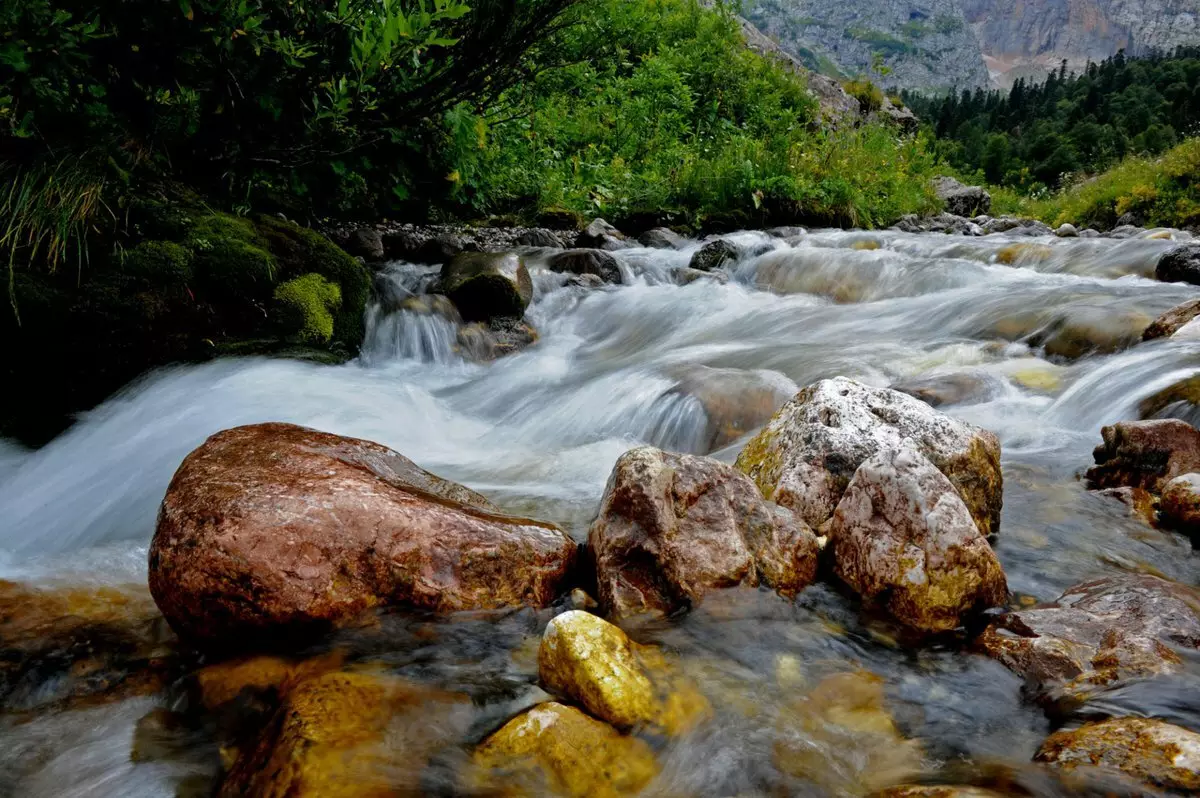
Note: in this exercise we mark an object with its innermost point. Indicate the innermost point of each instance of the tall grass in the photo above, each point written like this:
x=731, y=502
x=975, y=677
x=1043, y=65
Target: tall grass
x=47, y=212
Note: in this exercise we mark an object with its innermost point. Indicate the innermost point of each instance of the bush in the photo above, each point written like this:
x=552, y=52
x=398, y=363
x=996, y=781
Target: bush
x=869, y=96
x=160, y=263
x=305, y=308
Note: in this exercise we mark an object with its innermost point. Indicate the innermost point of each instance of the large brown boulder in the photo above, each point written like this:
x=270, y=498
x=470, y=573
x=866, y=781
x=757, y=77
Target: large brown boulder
x=1096, y=634
x=278, y=529
x=1151, y=751
x=1145, y=454
x=487, y=285
x=672, y=527
x=1172, y=321
x=902, y=535
x=807, y=454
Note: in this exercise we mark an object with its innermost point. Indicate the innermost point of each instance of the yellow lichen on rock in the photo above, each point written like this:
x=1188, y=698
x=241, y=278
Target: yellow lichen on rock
x=842, y=738
x=1151, y=751
x=556, y=749
x=334, y=737
x=594, y=663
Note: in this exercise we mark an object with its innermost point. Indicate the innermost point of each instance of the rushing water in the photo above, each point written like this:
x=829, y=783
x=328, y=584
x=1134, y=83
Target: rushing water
x=539, y=431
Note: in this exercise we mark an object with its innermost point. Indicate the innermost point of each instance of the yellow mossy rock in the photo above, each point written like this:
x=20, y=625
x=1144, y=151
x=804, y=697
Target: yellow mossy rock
x=1034, y=374
x=866, y=244
x=556, y=749
x=1015, y=254
x=344, y=734
x=594, y=663
x=842, y=738
x=223, y=682
x=1151, y=751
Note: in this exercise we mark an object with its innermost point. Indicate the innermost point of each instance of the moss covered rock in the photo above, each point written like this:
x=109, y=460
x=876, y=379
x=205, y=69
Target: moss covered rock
x=487, y=285
x=231, y=258
x=305, y=307
x=557, y=750
x=159, y=263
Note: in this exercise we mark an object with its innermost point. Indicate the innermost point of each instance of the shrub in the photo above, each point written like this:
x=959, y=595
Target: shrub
x=869, y=96
x=305, y=306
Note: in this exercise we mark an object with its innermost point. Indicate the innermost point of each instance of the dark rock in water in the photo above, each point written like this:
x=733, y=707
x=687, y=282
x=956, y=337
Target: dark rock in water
x=274, y=530
x=714, y=255
x=366, y=243
x=487, y=285
x=498, y=338
x=902, y=536
x=1096, y=634
x=909, y=223
x=688, y=275
x=787, y=232
x=402, y=245
x=662, y=238
x=962, y=200
x=951, y=389
x=1180, y=265
x=1145, y=454
x=1170, y=322
x=1159, y=754
x=1181, y=401
x=587, y=261
x=808, y=453
x=1131, y=219
x=540, y=238
x=442, y=249
x=672, y=527
x=601, y=235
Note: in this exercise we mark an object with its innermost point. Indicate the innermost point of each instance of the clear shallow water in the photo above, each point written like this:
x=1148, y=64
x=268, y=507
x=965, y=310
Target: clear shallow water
x=539, y=431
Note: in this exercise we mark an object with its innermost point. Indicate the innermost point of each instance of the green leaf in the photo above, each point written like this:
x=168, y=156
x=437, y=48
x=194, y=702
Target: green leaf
x=186, y=7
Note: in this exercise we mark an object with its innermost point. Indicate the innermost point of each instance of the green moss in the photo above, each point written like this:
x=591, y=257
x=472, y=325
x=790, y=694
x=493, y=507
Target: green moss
x=160, y=263
x=305, y=307
x=231, y=258
x=301, y=251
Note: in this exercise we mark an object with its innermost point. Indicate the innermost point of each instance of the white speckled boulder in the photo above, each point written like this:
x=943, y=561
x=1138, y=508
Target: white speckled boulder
x=807, y=454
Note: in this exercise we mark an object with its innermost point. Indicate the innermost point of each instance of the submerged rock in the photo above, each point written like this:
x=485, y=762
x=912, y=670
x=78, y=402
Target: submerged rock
x=587, y=261
x=962, y=200
x=842, y=737
x=807, y=454
x=557, y=750
x=735, y=401
x=1180, y=503
x=347, y=734
x=1180, y=265
x=902, y=535
x=1145, y=454
x=672, y=527
x=498, y=338
x=487, y=285
x=714, y=255
x=275, y=529
x=1096, y=634
x=1087, y=331
x=1180, y=401
x=1172, y=321
x=1157, y=753
x=960, y=388
x=595, y=664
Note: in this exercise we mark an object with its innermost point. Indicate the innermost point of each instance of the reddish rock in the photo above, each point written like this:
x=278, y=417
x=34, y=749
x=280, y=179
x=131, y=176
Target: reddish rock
x=673, y=527
x=902, y=535
x=1170, y=322
x=1151, y=751
x=278, y=529
x=1098, y=633
x=1145, y=454
x=1180, y=503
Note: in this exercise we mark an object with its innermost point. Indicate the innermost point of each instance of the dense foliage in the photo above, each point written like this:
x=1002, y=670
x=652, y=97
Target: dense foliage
x=663, y=112
x=1037, y=135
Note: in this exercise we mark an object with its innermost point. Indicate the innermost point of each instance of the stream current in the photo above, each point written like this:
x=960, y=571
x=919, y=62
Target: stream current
x=1005, y=322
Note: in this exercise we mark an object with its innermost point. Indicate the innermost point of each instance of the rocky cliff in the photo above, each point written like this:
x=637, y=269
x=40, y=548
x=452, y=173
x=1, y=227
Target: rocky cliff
x=956, y=44
x=922, y=43
x=1025, y=38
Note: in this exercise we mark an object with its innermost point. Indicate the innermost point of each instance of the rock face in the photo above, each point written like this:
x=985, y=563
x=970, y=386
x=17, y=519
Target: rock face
x=902, y=535
x=1172, y=321
x=1180, y=265
x=1180, y=503
x=555, y=749
x=487, y=285
x=1097, y=633
x=275, y=529
x=1154, y=752
x=593, y=663
x=672, y=527
x=587, y=261
x=807, y=454
x=1145, y=454
x=336, y=736
x=962, y=200
x=926, y=45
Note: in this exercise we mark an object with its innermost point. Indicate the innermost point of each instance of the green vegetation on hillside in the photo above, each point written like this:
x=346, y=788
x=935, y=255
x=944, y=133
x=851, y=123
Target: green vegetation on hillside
x=1040, y=136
